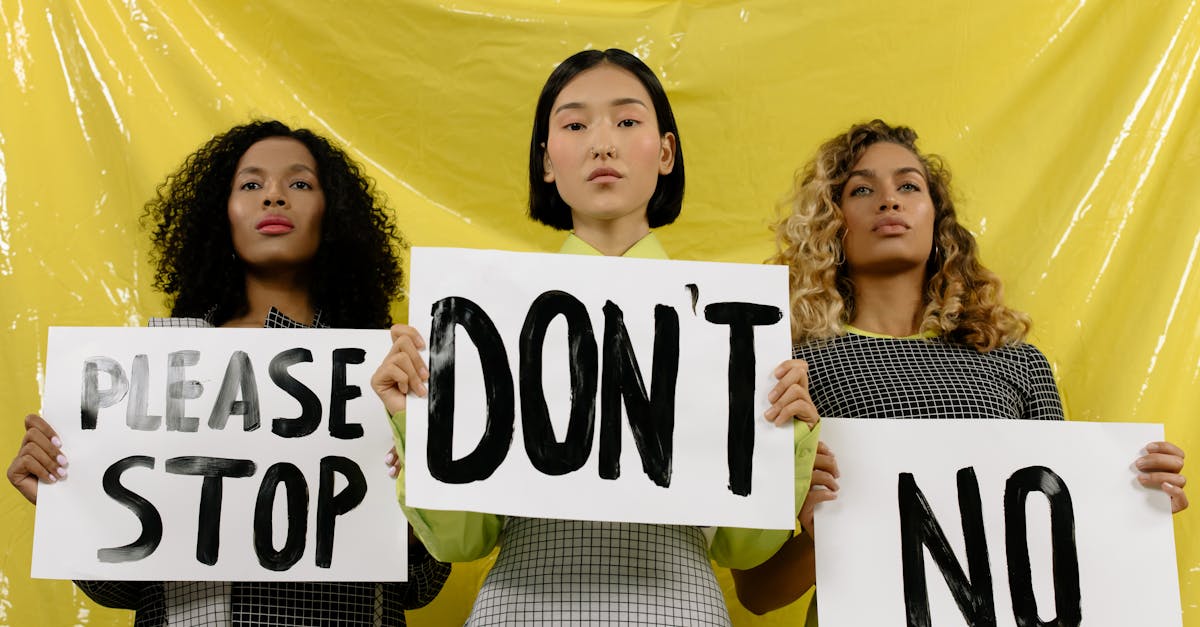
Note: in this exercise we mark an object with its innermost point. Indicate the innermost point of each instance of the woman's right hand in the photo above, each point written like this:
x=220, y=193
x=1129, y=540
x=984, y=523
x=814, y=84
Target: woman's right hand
x=40, y=457
x=824, y=486
x=402, y=371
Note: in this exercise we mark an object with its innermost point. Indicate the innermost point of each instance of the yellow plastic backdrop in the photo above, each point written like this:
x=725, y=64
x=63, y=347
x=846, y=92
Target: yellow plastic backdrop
x=1073, y=128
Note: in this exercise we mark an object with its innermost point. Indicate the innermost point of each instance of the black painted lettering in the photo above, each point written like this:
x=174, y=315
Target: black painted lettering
x=152, y=527
x=651, y=420
x=919, y=528
x=1067, y=598
x=213, y=469
x=239, y=377
x=330, y=505
x=92, y=397
x=297, y=517
x=310, y=406
x=137, y=414
x=180, y=390
x=339, y=393
x=741, y=318
x=545, y=452
x=448, y=314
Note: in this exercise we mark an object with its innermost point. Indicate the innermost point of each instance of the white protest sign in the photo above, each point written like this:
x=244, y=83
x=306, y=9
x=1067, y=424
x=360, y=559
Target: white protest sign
x=600, y=388
x=1002, y=521
x=218, y=454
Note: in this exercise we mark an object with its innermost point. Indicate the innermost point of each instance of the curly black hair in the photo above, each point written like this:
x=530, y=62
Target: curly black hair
x=355, y=275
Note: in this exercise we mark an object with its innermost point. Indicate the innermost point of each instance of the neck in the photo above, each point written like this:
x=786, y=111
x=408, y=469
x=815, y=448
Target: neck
x=287, y=292
x=612, y=237
x=889, y=304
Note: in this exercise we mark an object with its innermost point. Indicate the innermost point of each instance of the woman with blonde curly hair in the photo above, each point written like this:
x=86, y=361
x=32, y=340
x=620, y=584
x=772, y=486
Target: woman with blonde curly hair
x=897, y=318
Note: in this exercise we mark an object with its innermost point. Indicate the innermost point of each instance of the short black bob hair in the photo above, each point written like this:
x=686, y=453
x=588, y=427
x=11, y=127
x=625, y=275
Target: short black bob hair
x=545, y=205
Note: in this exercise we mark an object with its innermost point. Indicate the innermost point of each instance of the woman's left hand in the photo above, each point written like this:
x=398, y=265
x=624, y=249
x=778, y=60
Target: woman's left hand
x=1160, y=467
x=790, y=399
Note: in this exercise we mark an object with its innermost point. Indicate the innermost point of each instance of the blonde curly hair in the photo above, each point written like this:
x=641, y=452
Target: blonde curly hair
x=963, y=300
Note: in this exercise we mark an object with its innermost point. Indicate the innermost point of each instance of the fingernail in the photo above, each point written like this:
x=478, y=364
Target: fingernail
x=52, y=479
x=62, y=472
x=425, y=373
x=61, y=459
x=392, y=472
x=389, y=458
x=55, y=441
x=1140, y=463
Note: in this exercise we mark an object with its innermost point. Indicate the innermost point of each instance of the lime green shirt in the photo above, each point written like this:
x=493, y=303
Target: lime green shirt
x=452, y=536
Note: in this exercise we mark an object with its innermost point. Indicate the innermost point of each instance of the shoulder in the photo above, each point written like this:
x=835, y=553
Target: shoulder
x=195, y=323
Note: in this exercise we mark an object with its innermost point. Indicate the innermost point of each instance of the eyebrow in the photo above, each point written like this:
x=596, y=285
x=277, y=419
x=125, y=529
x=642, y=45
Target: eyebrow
x=871, y=173
x=615, y=103
x=295, y=167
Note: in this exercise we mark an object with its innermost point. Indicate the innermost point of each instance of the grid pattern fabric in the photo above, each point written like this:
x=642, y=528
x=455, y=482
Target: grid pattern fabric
x=576, y=573
x=856, y=376
x=202, y=603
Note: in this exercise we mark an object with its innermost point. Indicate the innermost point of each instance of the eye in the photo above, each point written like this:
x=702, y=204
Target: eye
x=861, y=190
x=574, y=126
x=250, y=186
x=910, y=187
x=302, y=185
x=628, y=123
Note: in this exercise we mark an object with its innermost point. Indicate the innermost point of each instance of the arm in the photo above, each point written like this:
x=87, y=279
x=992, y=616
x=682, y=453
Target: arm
x=790, y=572
x=448, y=536
x=426, y=576
x=122, y=595
x=739, y=548
x=745, y=548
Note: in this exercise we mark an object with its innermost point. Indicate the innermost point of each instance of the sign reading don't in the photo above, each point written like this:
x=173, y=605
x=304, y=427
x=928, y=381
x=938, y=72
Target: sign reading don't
x=599, y=388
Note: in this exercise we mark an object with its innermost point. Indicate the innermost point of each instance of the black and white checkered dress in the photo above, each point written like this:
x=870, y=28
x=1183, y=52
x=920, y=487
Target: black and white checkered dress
x=201, y=603
x=859, y=376
x=574, y=573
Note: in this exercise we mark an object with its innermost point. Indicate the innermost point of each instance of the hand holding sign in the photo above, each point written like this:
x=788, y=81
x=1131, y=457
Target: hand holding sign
x=39, y=458
x=402, y=370
x=1160, y=467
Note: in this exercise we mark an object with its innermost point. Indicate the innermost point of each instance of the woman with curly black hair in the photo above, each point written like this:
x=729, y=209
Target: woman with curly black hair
x=352, y=277
x=263, y=226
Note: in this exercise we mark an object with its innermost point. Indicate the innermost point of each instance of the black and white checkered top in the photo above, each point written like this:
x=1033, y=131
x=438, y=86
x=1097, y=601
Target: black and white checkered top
x=860, y=376
x=575, y=573
x=203, y=603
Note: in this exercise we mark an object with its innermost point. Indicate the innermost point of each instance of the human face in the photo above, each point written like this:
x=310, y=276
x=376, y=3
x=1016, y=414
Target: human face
x=276, y=206
x=604, y=152
x=888, y=211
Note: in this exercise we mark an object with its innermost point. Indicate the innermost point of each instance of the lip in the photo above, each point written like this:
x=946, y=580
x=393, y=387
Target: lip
x=890, y=226
x=274, y=225
x=604, y=175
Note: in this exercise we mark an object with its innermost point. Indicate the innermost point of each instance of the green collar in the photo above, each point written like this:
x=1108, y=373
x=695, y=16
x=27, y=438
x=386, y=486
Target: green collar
x=919, y=336
x=646, y=248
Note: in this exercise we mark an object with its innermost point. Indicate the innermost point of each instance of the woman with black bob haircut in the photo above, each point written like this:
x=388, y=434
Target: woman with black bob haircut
x=354, y=276
x=545, y=203
x=263, y=226
x=605, y=163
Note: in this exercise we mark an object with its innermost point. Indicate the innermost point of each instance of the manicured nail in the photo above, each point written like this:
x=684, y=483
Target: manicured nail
x=52, y=478
x=389, y=458
x=392, y=472
x=55, y=441
x=62, y=472
x=61, y=459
